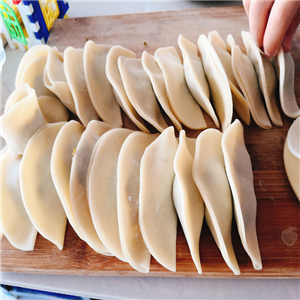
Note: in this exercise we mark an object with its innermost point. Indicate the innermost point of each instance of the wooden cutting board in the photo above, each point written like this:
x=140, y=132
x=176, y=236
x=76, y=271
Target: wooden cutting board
x=278, y=208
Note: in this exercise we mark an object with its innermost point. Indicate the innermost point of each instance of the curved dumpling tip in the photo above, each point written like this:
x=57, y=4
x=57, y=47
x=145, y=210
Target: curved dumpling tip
x=240, y=176
x=210, y=177
x=187, y=199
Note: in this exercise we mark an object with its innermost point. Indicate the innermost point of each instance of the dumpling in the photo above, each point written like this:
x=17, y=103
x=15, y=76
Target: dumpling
x=266, y=76
x=210, y=177
x=39, y=195
x=285, y=68
x=102, y=188
x=114, y=77
x=16, y=224
x=55, y=79
x=158, y=84
x=73, y=66
x=245, y=75
x=139, y=91
x=239, y=102
x=195, y=76
x=78, y=184
x=157, y=214
x=293, y=138
x=240, y=176
x=218, y=82
x=187, y=199
x=17, y=95
x=60, y=166
x=128, y=189
x=99, y=87
x=184, y=106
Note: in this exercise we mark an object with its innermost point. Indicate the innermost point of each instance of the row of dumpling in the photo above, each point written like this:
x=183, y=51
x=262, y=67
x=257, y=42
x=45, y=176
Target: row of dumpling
x=122, y=190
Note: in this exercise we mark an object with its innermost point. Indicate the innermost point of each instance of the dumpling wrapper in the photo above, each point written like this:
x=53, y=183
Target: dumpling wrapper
x=187, y=199
x=39, y=195
x=73, y=66
x=20, y=122
x=30, y=54
x=102, y=189
x=210, y=177
x=266, y=77
x=240, y=176
x=17, y=95
x=239, y=102
x=183, y=104
x=195, y=76
x=16, y=224
x=285, y=67
x=158, y=84
x=293, y=138
x=60, y=166
x=99, y=87
x=139, y=91
x=33, y=74
x=157, y=214
x=55, y=79
x=135, y=251
x=114, y=77
x=78, y=184
x=218, y=82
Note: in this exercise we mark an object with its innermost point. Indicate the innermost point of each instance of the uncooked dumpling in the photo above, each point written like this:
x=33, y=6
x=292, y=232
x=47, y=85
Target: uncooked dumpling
x=293, y=138
x=114, y=77
x=157, y=214
x=16, y=224
x=266, y=76
x=61, y=160
x=73, y=66
x=78, y=184
x=245, y=75
x=218, y=82
x=17, y=95
x=240, y=176
x=39, y=195
x=183, y=104
x=195, y=76
x=55, y=79
x=128, y=189
x=286, y=74
x=210, y=177
x=102, y=188
x=187, y=199
x=99, y=87
x=139, y=91
x=158, y=84
x=239, y=102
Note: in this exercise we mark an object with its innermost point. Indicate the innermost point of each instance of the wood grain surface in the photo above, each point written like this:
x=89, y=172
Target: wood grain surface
x=278, y=209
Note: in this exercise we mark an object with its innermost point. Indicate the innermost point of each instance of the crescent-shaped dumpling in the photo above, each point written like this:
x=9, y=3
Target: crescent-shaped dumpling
x=78, y=184
x=293, y=138
x=135, y=251
x=55, y=79
x=39, y=195
x=266, y=76
x=245, y=75
x=73, y=66
x=158, y=84
x=17, y=95
x=102, y=188
x=218, y=82
x=183, y=104
x=187, y=199
x=139, y=91
x=210, y=177
x=114, y=77
x=99, y=87
x=60, y=166
x=17, y=227
x=195, y=76
x=157, y=214
x=240, y=176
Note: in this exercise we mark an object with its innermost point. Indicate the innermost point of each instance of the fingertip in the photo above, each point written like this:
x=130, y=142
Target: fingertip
x=287, y=44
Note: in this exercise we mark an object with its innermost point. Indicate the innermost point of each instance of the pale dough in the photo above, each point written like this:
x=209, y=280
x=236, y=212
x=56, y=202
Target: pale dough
x=293, y=138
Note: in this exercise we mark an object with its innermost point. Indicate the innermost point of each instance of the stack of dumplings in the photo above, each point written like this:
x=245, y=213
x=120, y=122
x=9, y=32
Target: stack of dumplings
x=123, y=191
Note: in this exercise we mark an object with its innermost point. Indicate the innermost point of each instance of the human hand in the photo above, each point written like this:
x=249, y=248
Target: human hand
x=273, y=23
